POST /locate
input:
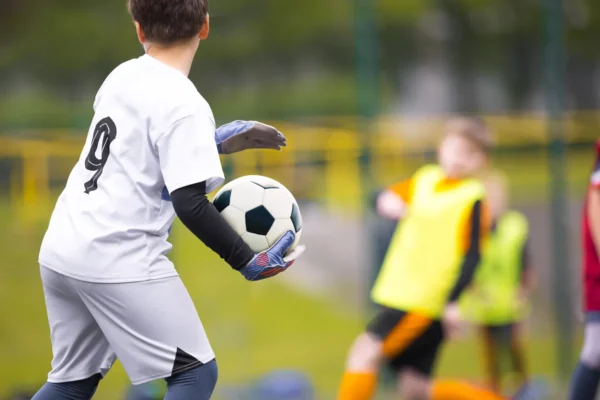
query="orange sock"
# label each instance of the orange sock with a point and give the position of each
(357, 386)
(456, 390)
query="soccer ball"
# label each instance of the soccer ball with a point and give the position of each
(260, 210)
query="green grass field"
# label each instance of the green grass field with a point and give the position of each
(254, 327)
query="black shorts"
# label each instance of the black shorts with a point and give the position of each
(499, 334)
(502, 347)
(409, 339)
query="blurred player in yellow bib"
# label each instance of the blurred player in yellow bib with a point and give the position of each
(431, 260)
(499, 296)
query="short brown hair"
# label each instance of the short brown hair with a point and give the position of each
(474, 129)
(169, 21)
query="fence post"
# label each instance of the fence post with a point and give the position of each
(367, 87)
(554, 64)
(35, 188)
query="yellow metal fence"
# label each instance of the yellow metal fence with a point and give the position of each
(322, 161)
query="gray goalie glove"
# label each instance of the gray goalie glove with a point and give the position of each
(242, 135)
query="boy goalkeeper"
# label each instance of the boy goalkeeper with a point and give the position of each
(151, 154)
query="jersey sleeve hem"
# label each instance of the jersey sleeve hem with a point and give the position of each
(213, 180)
(188, 154)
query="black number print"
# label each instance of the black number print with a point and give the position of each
(104, 133)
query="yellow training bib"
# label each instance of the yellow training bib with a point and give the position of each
(492, 299)
(424, 258)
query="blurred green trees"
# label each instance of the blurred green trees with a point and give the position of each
(282, 59)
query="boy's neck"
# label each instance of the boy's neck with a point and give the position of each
(180, 56)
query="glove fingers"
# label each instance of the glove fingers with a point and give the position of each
(293, 256)
(241, 135)
(263, 145)
(267, 132)
(263, 126)
(258, 140)
(251, 128)
(284, 243)
(254, 134)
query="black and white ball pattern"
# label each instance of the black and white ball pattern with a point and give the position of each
(260, 210)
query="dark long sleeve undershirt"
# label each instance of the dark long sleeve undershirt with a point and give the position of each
(472, 257)
(200, 216)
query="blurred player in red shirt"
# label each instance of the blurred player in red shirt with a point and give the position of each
(584, 383)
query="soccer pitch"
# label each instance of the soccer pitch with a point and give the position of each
(253, 327)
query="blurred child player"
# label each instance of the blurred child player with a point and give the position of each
(151, 153)
(498, 298)
(431, 260)
(584, 383)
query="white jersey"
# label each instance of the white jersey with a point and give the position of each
(152, 133)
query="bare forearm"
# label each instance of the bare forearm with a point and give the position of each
(528, 281)
(528, 274)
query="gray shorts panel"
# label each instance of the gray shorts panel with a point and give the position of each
(151, 326)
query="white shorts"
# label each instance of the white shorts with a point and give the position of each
(151, 326)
